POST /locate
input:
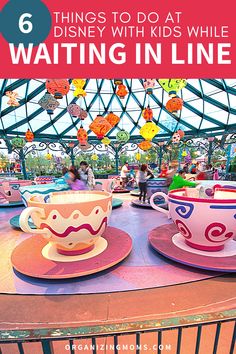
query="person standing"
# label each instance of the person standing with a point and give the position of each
(123, 174)
(142, 177)
(87, 175)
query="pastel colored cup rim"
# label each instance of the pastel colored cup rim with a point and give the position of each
(106, 195)
(172, 195)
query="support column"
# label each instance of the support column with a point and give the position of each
(72, 158)
(117, 161)
(210, 152)
(23, 165)
(160, 157)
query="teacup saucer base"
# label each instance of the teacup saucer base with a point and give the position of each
(116, 203)
(228, 251)
(164, 240)
(11, 205)
(50, 252)
(27, 257)
(15, 223)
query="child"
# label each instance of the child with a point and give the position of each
(179, 181)
(142, 182)
(72, 178)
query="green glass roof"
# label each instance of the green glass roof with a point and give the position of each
(209, 109)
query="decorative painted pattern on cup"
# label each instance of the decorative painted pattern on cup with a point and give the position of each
(206, 224)
(10, 190)
(40, 189)
(73, 221)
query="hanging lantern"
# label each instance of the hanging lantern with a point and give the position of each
(94, 157)
(71, 144)
(118, 82)
(49, 103)
(82, 136)
(175, 138)
(83, 114)
(122, 136)
(149, 130)
(79, 87)
(18, 143)
(147, 114)
(58, 87)
(48, 156)
(181, 133)
(172, 86)
(184, 153)
(106, 141)
(113, 119)
(74, 110)
(12, 95)
(211, 138)
(29, 136)
(145, 145)
(148, 85)
(122, 91)
(100, 126)
(85, 147)
(138, 156)
(174, 105)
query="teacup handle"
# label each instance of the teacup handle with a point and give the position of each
(24, 219)
(156, 207)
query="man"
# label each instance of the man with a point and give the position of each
(87, 175)
(179, 181)
(123, 174)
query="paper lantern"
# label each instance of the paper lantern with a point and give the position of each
(18, 143)
(58, 87)
(148, 85)
(12, 95)
(74, 110)
(94, 157)
(175, 138)
(49, 103)
(83, 114)
(113, 119)
(106, 141)
(85, 147)
(71, 144)
(211, 138)
(79, 87)
(149, 130)
(138, 156)
(122, 136)
(118, 82)
(48, 156)
(174, 104)
(147, 114)
(145, 145)
(100, 126)
(82, 136)
(122, 91)
(181, 133)
(172, 86)
(29, 136)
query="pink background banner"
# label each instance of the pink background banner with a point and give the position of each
(122, 39)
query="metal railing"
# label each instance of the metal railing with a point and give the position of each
(133, 337)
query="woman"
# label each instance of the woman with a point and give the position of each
(72, 178)
(142, 177)
(87, 175)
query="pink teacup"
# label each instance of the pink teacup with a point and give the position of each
(9, 190)
(206, 224)
(73, 221)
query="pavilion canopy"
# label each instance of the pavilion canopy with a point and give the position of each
(209, 109)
